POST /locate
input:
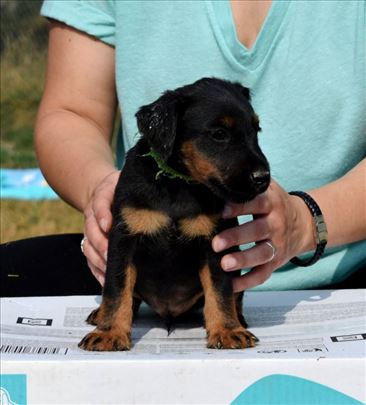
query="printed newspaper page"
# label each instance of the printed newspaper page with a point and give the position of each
(289, 324)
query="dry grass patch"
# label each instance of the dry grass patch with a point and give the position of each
(22, 219)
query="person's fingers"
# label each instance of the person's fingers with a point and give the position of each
(96, 237)
(97, 224)
(261, 253)
(254, 277)
(257, 230)
(279, 229)
(102, 201)
(97, 273)
(102, 209)
(93, 256)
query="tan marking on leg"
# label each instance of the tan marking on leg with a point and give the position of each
(123, 316)
(144, 221)
(202, 225)
(214, 316)
(199, 166)
(113, 331)
(223, 328)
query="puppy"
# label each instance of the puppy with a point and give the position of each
(198, 150)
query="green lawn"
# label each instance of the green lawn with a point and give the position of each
(22, 219)
(21, 90)
(22, 65)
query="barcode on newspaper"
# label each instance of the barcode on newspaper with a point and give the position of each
(11, 349)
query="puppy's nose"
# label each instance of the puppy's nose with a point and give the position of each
(260, 179)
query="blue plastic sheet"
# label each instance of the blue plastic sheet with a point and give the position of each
(25, 184)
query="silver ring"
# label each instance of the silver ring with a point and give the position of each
(273, 250)
(82, 243)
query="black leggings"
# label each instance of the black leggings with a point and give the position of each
(54, 265)
(46, 266)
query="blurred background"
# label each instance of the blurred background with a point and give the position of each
(23, 51)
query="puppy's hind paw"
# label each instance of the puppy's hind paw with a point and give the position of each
(105, 341)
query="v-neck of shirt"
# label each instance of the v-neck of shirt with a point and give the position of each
(235, 52)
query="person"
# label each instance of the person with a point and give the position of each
(304, 63)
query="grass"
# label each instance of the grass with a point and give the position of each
(23, 219)
(21, 90)
(22, 66)
(23, 43)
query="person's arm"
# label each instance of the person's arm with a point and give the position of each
(75, 118)
(286, 222)
(343, 203)
(74, 127)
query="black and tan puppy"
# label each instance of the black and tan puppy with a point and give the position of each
(198, 150)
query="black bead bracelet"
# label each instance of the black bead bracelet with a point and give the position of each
(320, 230)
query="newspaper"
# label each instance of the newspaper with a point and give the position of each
(289, 324)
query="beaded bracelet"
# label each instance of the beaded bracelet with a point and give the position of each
(320, 230)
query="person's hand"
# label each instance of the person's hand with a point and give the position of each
(98, 222)
(281, 229)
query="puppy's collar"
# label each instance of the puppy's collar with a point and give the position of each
(165, 170)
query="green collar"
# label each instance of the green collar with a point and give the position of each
(166, 170)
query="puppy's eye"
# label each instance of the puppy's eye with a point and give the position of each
(220, 135)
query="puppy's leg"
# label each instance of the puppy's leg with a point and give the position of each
(224, 329)
(114, 316)
(92, 319)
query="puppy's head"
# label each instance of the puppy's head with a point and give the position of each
(208, 130)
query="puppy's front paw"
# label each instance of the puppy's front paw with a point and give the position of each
(106, 341)
(238, 338)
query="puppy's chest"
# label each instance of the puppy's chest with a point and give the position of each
(151, 222)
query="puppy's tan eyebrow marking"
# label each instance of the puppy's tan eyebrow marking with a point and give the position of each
(228, 121)
(199, 166)
(144, 221)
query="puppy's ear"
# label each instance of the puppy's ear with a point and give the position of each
(157, 122)
(244, 91)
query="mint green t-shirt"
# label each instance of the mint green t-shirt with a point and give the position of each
(306, 72)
